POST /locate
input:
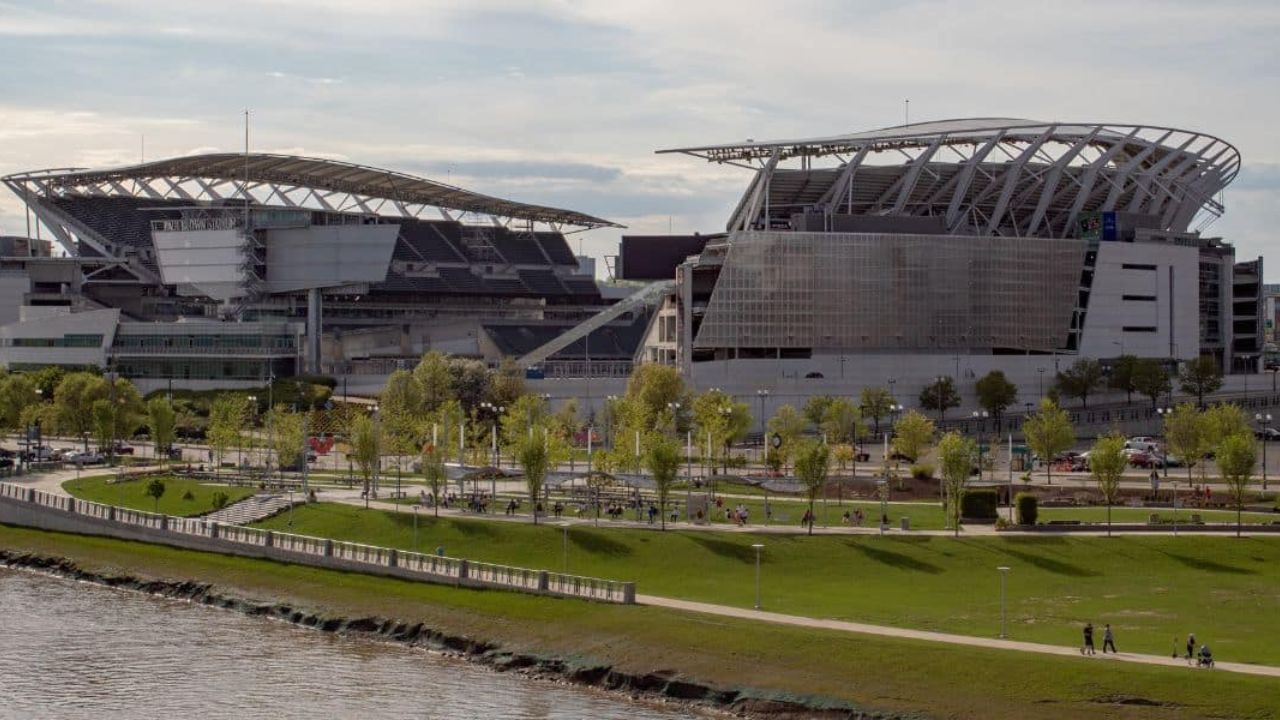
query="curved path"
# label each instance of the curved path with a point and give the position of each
(929, 636)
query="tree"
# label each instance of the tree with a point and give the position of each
(17, 393)
(875, 403)
(103, 418)
(162, 420)
(1200, 377)
(788, 424)
(366, 450)
(956, 455)
(74, 399)
(1124, 375)
(1081, 380)
(227, 416)
(663, 460)
(1049, 433)
(720, 418)
(1107, 462)
(521, 416)
(434, 381)
(1186, 431)
(288, 437)
(434, 472)
(813, 460)
(912, 435)
(815, 407)
(531, 453)
(1236, 457)
(842, 423)
(1151, 379)
(506, 384)
(996, 393)
(940, 395)
(155, 490)
(1224, 420)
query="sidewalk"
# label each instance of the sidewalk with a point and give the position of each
(928, 636)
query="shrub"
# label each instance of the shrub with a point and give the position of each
(1028, 508)
(922, 471)
(188, 496)
(220, 500)
(979, 505)
(1001, 523)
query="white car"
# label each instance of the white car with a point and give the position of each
(1143, 443)
(83, 458)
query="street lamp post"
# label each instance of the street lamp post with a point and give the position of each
(1164, 413)
(1264, 420)
(980, 416)
(1004, 573)
(762, 394)
(415, 527)
(564, 526)
(1040, 385)
(758, 547)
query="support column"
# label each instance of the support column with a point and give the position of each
(315, 313)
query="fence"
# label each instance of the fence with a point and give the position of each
(323, 551)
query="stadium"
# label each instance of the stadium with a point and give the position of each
(893, 257)
(224, 270)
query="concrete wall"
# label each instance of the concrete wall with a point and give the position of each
(1121, 278)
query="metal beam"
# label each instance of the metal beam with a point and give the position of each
(1013, 174)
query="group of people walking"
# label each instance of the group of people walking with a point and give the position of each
(1203, 657)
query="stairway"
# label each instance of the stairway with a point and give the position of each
(252, 509)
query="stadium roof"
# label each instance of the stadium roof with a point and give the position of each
(987, 175)
(288, 180)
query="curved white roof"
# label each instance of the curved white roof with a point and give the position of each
(285, 176)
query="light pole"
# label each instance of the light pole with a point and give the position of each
(1164, 413)
(1004, 573)
(564, 526)
(415, 527)
(1040, 385)
(980, 416)
(253, 402)
(758, 547)
(762, 394)
(1264, 419)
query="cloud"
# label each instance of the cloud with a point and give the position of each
(1258, 176)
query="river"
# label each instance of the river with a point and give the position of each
(73, 650)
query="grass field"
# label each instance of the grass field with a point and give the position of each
(1154, 590)
(907, 676)
(133, 494)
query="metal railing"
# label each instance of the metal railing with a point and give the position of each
(427, 567)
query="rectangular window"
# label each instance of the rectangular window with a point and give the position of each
(1139, 298)
(1139, 328)
(1137, 266)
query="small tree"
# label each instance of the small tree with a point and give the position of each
(1048, 433)
(434, 472)
(912, 435)
(788, 424)
(1187, 434)
(1107, 462)
(287, 437)
(1224, 420)
(875, 403)
(1081, 380)
(155, 490)
(366, 450)
(1151, 379)
(1124, 375)
(162, 420)
(996, 393)
(1237, 455)
(663, 460)
(940, 395)
(103, 423)
(531, 453)
(1200, 377)
(812, 462)
(955, 456)
(815, 408)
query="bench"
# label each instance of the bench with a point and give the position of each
(1196, 519)
(1065, 522)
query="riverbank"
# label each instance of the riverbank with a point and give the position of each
(603, 644)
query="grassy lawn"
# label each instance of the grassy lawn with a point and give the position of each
(1152, 589)
(1140, 515)
(900, 675)
(133, 494)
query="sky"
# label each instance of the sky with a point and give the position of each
(563, 102)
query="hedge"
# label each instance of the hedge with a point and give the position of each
(1028, 508)
(980, 505)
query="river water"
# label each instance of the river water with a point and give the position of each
(73, 650)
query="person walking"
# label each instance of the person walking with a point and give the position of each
(1088, 640)
(1191, 645)
(1108, 640)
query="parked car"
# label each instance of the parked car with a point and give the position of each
(174, 453)
(122, 449)
(1142, 459)
(1144, 443)
(39, 453)
(1269, 433)
(6, 462)
(83, 458)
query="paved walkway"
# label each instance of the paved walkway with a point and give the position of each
(928, 636)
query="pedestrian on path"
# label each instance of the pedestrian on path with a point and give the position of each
(1088, 640)
(1108, 640)
(1191, 645)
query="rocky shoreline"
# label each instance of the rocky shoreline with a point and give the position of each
(666, 685)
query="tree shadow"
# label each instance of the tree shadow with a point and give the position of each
(875, 551)
(1196, 563)
(597, 543)
(733, 551)
(1056, 567)
(475, 528)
